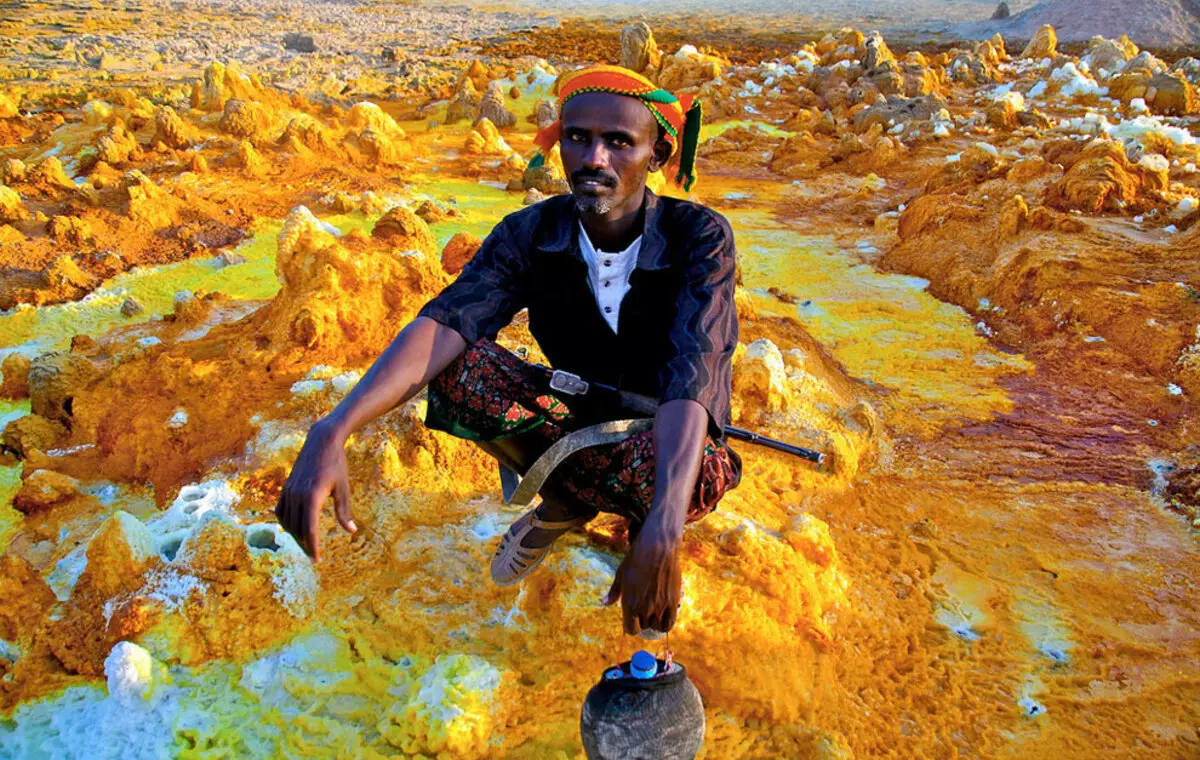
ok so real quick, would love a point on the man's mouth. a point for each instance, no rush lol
(591, 185)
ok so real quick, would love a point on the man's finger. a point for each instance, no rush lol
(284, 513)
(653, 620)
(632, 625)
(342, 505)
(614, 591)
(312, 524)
(669, 617)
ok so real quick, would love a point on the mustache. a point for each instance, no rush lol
(603, 178)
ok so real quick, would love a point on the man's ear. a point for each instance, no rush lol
(662, 154)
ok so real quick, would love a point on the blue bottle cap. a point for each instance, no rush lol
(643, 665)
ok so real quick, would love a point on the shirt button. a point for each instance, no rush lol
(608, 310)
(607, 283)
(608, 262)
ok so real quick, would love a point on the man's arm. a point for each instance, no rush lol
(649, 577)
(421, 350)
(695, 400)
(481, 301)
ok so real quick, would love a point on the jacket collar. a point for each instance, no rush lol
(561, 236)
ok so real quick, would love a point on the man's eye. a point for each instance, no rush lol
(576, 138)
(618, 142)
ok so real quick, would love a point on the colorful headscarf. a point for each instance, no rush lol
(678, 116)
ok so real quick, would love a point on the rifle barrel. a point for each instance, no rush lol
(749, 436)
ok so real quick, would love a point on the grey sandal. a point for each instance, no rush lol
(512, 562)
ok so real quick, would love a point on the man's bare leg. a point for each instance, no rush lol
(518, 453)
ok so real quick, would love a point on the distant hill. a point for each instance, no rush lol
(1149, 23)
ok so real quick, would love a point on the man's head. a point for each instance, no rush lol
(609, 144)
(615, 127)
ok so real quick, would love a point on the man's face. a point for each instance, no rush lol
(609, 144)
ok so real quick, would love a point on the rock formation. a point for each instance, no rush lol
(638, 50)
(493, 109)
(458, 251)
(688, 68)
(1043, 45)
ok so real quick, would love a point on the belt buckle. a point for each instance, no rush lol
(568, 383)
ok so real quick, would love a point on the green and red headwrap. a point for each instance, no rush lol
(679, 117)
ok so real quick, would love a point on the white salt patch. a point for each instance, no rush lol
(451, 679)
(1031, 706)
(1174, 389)
(193, 502)
(9, 651)
(1074, 83)
(172, 588)
(178, 419)
(312, 660)
(345, 382)
(1006, 93)
(129, 671)
(953, 158)
(1138, 105)
(66, 572)
(1038, 90)
(1170, 229)
(70, 451)
(1136, 130)
(276, 441)
(490, 526)
(304, 388)
(291, 571)
(1186, 206)
(149, 340)
(1154, 162)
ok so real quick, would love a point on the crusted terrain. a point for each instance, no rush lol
(968, 275)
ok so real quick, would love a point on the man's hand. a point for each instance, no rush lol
(320, 469)
(648, 580)
(421, 350)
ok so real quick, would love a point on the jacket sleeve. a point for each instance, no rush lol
(704, 334)
(487, 293)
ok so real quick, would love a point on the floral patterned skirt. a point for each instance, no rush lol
(488, 393)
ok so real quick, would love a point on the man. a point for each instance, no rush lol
(622, 288)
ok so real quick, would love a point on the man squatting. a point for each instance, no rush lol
(623, 287)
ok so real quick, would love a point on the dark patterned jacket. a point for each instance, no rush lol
(678, 325)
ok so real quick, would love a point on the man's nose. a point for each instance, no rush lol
(596, 156)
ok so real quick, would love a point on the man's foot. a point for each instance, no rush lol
(549, 511)
(521, 551)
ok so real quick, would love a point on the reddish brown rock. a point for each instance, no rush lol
(458, 251)
(42, 490)
(405, 230)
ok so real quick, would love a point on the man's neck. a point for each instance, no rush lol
(616, 230)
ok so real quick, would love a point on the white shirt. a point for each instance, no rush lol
(608, 274)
